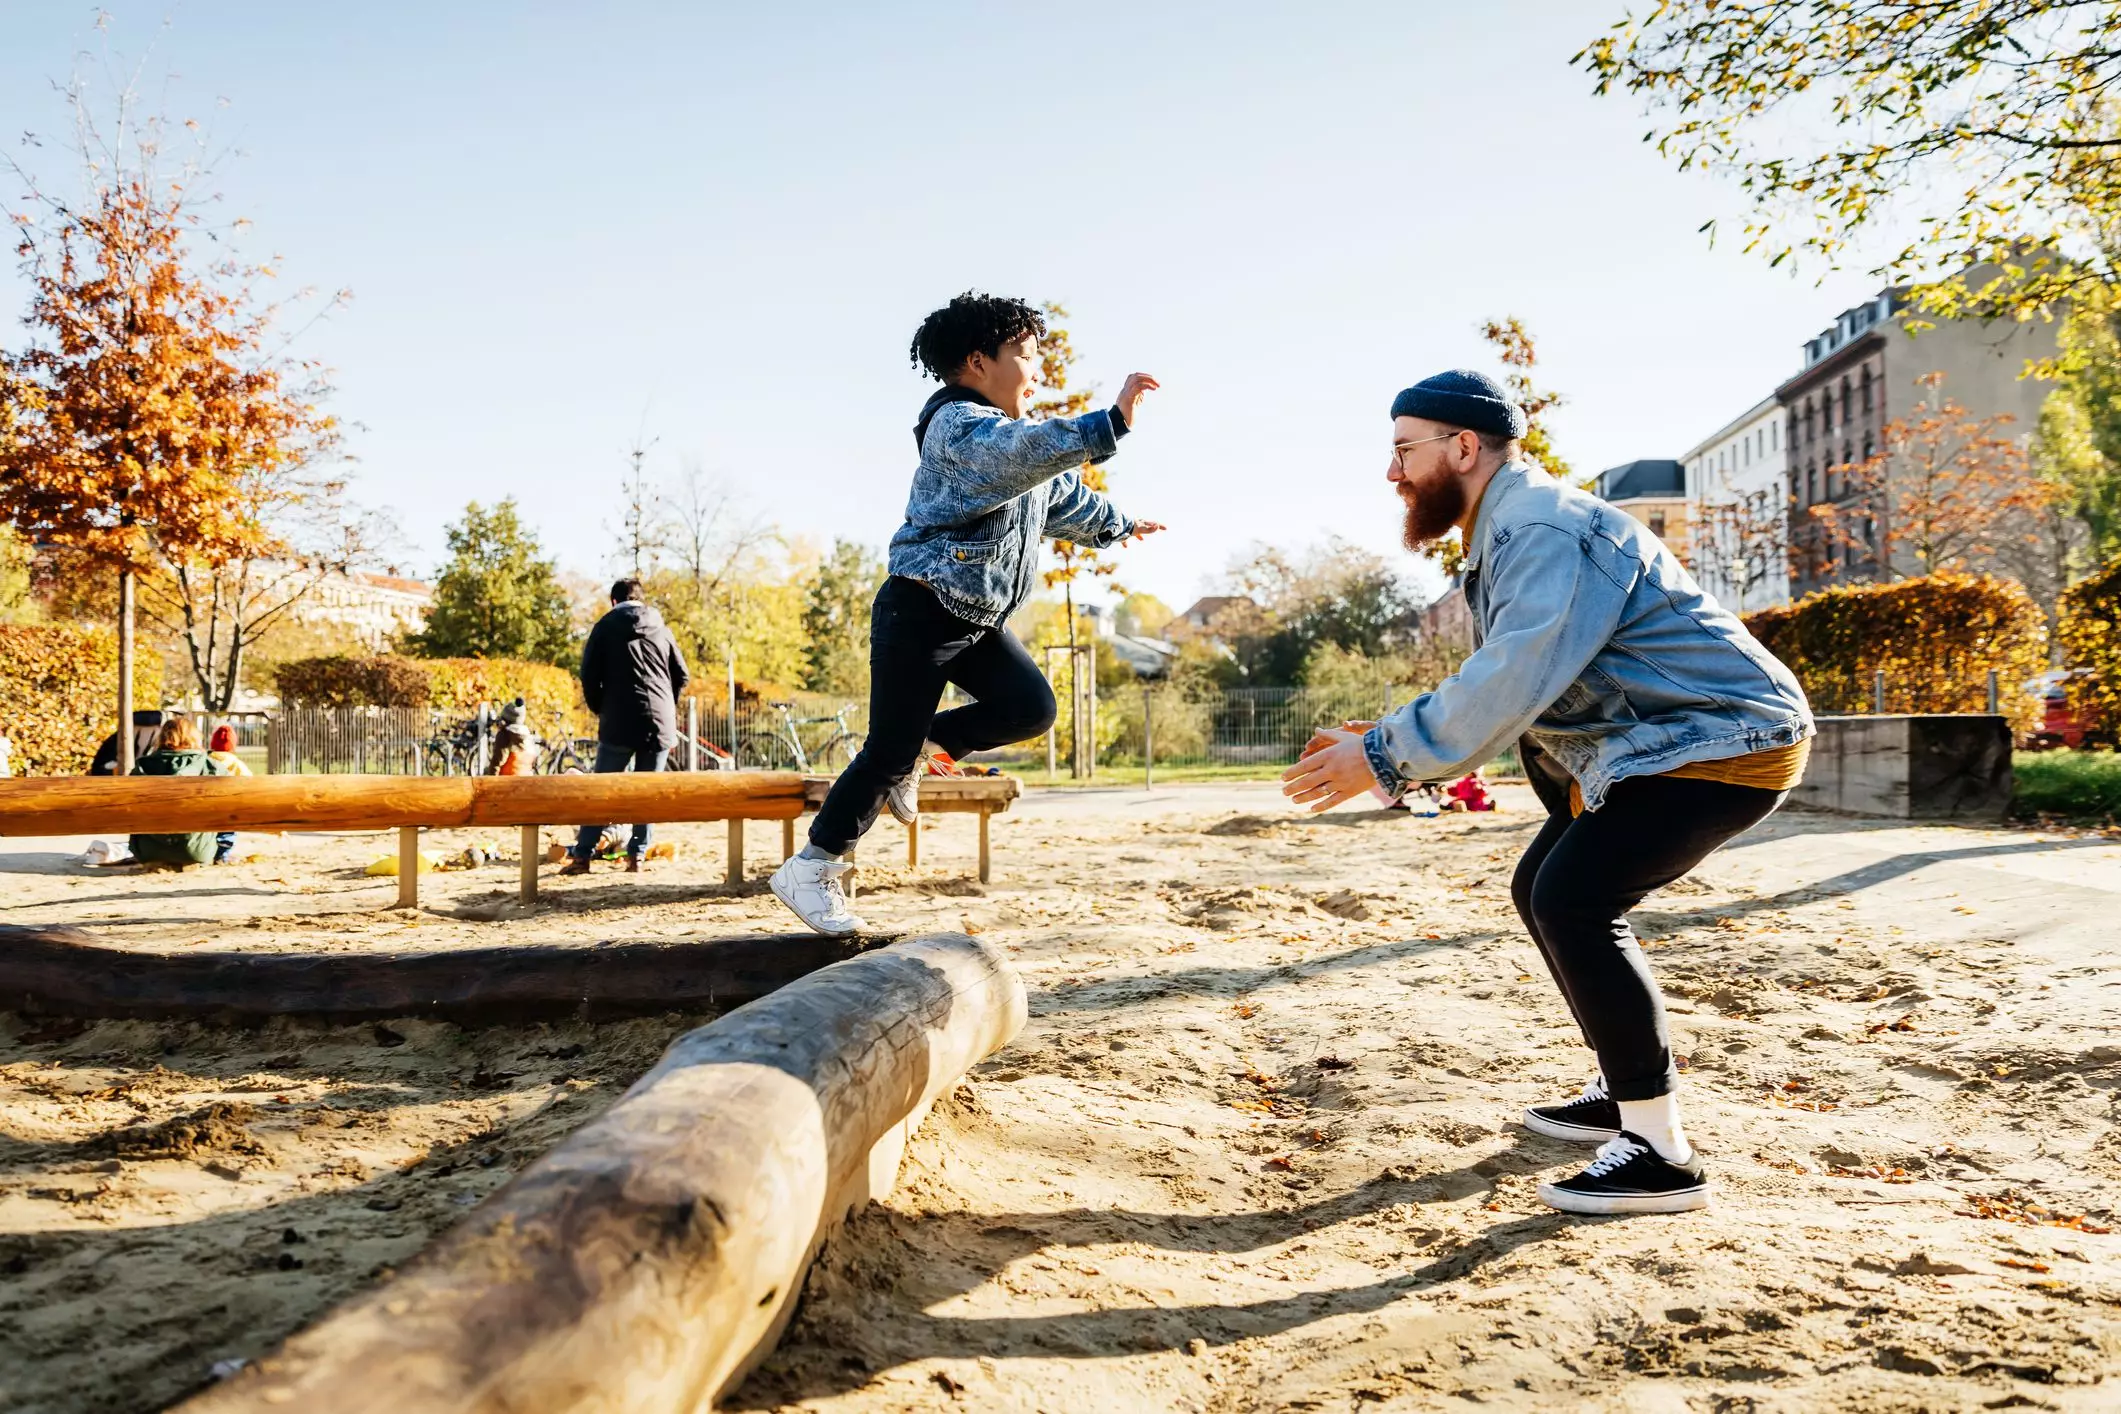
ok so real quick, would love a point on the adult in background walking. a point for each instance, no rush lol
(632, 673)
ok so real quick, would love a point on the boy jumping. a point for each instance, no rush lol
(988, 488)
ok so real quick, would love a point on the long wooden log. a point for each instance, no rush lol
(67, 972)
(636, 798)
(81, 805)
(647, 1262)
(153, 805)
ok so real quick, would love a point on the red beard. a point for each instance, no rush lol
(1433, 505)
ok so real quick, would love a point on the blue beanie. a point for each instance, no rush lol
(1462, 398)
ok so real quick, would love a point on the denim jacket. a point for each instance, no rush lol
(989, 487)
(1593, 638)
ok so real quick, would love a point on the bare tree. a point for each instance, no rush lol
(1743, 542)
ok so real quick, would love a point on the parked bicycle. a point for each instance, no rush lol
(780, 747)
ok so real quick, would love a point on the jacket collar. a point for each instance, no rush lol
(1506, 479)
(938, 400)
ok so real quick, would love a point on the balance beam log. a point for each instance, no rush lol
(651, 1259)
(636, 798)
(67, 972)
(155, 805)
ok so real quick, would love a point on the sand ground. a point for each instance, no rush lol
(1256, 1150)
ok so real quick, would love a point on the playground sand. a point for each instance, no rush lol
(1256, 1149)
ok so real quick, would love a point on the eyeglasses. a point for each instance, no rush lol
(1400, 449)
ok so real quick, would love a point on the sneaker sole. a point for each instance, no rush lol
(1685, 1200)
(789, 904)
(1562, 1129)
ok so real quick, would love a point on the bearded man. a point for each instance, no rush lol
(1652, 726)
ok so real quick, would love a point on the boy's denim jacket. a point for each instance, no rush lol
(989, 487)
(1591, 637)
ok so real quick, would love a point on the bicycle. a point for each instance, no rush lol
(780, 747)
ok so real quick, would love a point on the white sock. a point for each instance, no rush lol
(1657, 1121)
(811, 851)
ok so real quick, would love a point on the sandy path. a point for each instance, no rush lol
(1255, 1151)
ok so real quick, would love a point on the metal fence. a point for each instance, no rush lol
(811, 732)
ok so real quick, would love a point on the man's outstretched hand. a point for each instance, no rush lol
(1131, 393)
(1333, 770)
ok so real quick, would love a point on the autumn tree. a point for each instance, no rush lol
(2078, 443)
(499, 595)
(1742, 540)
(836, 619)
(723, 581)
(1945, 490)
(151, 420)
(1519, 355)
(1947, 134)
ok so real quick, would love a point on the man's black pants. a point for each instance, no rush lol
(915, 647)
(1576, 883)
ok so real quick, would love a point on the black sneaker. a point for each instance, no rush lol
(1590, 1118)
(1629, 1176)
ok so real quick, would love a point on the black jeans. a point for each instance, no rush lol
(610, 758)
(915, 647)
(1575, 885)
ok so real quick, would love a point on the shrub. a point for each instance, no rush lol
(1934, 637)
(452, 686)
(60, 684)
(2091, 639)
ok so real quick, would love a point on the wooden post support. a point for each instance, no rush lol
(913, 844)
(984, 816)
(648, 1262)
(735, 873)
(408, 866)
(530, 847)
(787, 839)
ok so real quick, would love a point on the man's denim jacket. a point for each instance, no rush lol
(1591, 637)
(988, 489)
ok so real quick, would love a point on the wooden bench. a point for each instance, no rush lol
(147, 805)
(984, 796)
(153, 805)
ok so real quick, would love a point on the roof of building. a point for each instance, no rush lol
(1766, 406)
(396, 582)
(1631, 481)
(1205, 610)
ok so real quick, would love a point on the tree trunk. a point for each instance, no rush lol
(125, 671)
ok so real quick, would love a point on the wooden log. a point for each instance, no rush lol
(984, 856)
(733, 874)
(530, 844)
(408, 866)
(788, 839)
(913, 844)
(636, 798)
(67, 972)
(646, 1263)
(154, 805)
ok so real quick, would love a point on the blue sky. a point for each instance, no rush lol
(556, 218)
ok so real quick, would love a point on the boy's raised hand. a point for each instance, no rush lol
(1146, 527)
(1131, 393)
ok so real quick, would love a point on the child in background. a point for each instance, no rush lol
(221, 750)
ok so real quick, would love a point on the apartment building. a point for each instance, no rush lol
(1737, 493)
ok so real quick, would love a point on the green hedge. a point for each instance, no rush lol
(1934, 637)
(2091, 639)
(60, 686)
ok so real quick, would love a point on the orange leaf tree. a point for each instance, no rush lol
(149, 423)
(1945, 490)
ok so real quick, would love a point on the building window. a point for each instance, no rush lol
(1866, 387)
(1811, 484)
(1657, 524)
(1870, 446)
(1826, 411)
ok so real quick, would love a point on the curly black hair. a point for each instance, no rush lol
(971, 323)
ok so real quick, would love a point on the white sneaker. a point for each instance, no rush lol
(904, 797)
(811, 889)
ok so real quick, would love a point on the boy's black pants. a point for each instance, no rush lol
(915, 647)
(1576, 883)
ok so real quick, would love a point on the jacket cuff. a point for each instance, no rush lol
(1119, 422)
(1388, 778)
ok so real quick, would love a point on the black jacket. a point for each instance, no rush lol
(632, 674)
